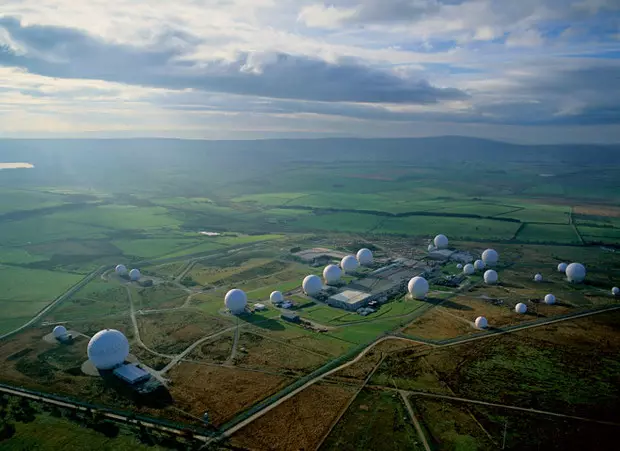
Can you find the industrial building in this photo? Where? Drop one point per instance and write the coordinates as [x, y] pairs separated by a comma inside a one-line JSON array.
[[349, 299], [131, 373]]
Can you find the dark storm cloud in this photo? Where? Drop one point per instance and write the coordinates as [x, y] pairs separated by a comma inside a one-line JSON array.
[[67, 53]]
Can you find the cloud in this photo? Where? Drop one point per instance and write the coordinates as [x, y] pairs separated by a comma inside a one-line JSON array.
[[68, 53]]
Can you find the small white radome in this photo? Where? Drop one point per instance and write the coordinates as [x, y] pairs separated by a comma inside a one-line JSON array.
[[538, 278], [575, 272], [59, 331], [479, 265], [441, 241], [521, 308], [562, 267], [236, 300], [312, 285], [481, 322], [332, 274], [134, 274], [418, 287], [121, 270], [459, 266], [364, 256], [490, 277], [550, 299], [615, 291], [349, 264], [468, 269], [276, 297]]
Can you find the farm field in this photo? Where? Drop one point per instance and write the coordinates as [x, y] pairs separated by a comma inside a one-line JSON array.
[[548, 233]]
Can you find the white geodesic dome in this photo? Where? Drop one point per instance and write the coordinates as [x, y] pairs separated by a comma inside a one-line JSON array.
[[441, 241], [576, 272], [364, 256], [468, 269], [312, 285], [490, 277], [479, 265], [108, 349], [418, 287], [349, 264], [134, 274], [332, 274], [481, 322], [276, 297], [490, 257], [236, 300], [562, 267], [521, 308], [459, 266], [550, 299], [121, 270], [615, 291], [59, 331], [538, 278]]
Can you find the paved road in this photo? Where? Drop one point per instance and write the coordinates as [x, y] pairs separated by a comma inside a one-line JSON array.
[[67, 294], [416, 423]]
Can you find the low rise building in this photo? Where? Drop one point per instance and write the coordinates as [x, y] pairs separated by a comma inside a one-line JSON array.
[[349, 299]]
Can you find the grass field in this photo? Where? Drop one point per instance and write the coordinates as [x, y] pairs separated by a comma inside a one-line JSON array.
[[48, 433], [548, 233]]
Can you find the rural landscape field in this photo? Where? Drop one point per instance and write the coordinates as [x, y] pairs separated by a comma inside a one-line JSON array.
[[199, 218]]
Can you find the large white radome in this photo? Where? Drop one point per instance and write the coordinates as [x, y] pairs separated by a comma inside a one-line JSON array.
[[236, 300], [441, 241], [575, 272], [107, 349], [481, 322], [615, 291], [349, 264], [59, 331], [134, 274], [121, 270], [276, 297], [562, 267], [479, 265], [490, 257], [521, 308], [332, 274], [418, 287], [468, 269], [550, 299], [490, 277], [312, 285], [364, 256]]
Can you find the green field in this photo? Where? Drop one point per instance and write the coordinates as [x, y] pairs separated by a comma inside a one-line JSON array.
[[548, 233]]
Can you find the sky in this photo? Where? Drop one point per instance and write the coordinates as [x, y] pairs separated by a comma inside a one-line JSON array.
[[530, 71]]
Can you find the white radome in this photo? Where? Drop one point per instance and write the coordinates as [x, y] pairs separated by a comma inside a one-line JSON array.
[[121, 270], [562, 267], [550, 299], [236, 300], [418, 287], [490, 257], [276, 297], [312, 285], [59, 331], [468, 269], [490, 277], [349, 264], [459, 266], [107, 349], [332, 274], [479, 265], [575, 272], [615, 291], [431, 247], [441, 241], [134, 274], [521, 308], [364, 256], [538, 278], [481, 322]]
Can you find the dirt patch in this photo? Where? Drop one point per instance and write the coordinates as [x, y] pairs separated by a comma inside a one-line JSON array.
[[255, 351], [172, 332], [223, 392], [597, 210], [438, 324], [297, 424]]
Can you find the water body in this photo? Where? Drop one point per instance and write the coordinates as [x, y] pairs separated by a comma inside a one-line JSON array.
[[16, 166]]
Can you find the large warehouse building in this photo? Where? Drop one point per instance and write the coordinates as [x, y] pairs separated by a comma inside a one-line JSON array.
[[349, 299]]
